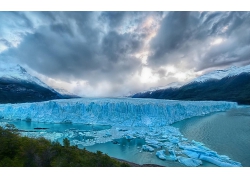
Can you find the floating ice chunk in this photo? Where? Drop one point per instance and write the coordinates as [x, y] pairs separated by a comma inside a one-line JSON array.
[[191, 154], [189, 161], [165, 136], [211, 157], [161, 155], [174, 140], [172, 152], [168, 145], [155, 145], [147, 148], [129, 137], [107, 135], [219, 161], [199, 144], [121, 129], [152, 142]]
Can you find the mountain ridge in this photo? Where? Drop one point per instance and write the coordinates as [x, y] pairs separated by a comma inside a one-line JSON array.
[[18, 86], [232, 85]]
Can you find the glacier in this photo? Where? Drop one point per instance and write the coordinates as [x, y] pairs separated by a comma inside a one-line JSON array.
[[149, 119], [112, 111]]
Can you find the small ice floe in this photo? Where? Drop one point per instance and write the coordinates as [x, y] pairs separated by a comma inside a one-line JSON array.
[[192, 162], [121, 129], [128, 136], [161, 155], [107, 135], [152, 142], [174, 140], [168, 145], [147, 148]]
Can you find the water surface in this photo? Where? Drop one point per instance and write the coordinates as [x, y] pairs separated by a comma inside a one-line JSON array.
[[226, 133]]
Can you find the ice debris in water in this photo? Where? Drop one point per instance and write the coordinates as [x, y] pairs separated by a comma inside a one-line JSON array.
[[199, 151]]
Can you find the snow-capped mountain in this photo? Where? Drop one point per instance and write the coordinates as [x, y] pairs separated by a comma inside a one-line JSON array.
[[15, 72], [220, 74], [231, 84], [17, 85]]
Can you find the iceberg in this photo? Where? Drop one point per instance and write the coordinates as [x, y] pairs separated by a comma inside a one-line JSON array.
[[147, 148], [112, 111], [199, 151], [161, 155], [192, 162]]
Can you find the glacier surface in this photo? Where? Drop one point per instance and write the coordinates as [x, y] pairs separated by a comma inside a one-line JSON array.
[[112, 111]]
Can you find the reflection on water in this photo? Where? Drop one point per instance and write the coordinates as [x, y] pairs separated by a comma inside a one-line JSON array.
[[225, 132]]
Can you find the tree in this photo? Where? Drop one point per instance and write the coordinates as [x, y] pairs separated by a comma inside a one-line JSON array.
[[66, 142]]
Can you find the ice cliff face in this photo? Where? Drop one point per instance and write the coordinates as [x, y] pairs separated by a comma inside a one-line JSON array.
[[120, 111]]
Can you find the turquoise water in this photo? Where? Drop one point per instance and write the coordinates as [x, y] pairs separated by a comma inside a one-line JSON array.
[[50, 127], [226, 133], [130, 150]]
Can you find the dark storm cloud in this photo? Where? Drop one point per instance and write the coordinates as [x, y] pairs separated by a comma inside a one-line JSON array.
[[74, 46], [116, 46], [190, 34]]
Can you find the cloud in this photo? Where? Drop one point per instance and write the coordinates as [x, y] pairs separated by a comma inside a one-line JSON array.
[[112, 53], [185, 37], [73, 46]]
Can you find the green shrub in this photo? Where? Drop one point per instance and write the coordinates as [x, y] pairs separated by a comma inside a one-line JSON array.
[[17, 151]]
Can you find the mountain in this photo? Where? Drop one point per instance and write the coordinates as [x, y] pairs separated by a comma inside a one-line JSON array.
[[18, 86], [232, 84], [66, 94]]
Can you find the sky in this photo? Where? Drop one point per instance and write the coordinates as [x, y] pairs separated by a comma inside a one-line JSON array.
[[108, 53]]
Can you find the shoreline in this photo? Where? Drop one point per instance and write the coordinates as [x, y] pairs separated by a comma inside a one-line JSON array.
[[137, 165]]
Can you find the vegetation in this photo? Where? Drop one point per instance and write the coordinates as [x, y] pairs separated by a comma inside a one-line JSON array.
[[17, 151]]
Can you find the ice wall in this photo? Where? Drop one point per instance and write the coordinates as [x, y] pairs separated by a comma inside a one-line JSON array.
[[112, 111]]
